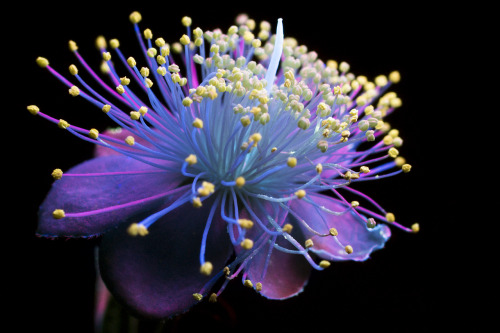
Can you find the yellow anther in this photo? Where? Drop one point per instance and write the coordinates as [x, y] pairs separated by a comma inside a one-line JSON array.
[[226, 271], [160, 42], [240, 181], [131, 62], [206, 268], [197, 202], [186, 21], [213, 298], [388, 140], [333, 232], [33, 109], [149, 83], [415, 227], [364, 169], [135, 115], [348, 249], [106, 56], [245, 224], [72, 46], [58, 214], [106, 108], [258, 286], [309, 243], [256, 43], [191, 159], [390, 217], [300, 194], [104, 67], [287, 228], [135, 17], [247, 244], [63, 124], [148, 34], [291, 162], [204, 192], [393, 152], [73, 70], [209, 186], [394, 133], [406, 168], [145, 71], [185, 40], [248, 283], [332, 64], [136, 229], [114, 43], [120, 89], [143, 110], [42, 62], [57, 174], [369, 109], [400, 161], [255, 138], [354, 204], [396, 102], [74, 91], [100, 42], [397, 142], [94, 134], [273, 149], [198, 123], [152, 52], [130, 140], [324, 264], [322, 145], [319, 168], [395, 77], [381, 80], [197, 297], [162, 71], [125, 81], [345, 134]]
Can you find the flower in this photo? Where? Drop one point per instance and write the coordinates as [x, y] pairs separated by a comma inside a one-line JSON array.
[[221, 171]]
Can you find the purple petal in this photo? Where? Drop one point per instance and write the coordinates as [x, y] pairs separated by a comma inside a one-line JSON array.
[[118, 134], [81, 194], [156, 275], [286, 274], [351, 230]]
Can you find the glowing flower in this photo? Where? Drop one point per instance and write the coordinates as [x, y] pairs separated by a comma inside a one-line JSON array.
[[219, 173]]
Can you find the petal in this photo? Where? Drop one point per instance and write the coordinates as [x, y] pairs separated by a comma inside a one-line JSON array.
[[81, 194], [351, 230], [156, 275], [286, 274]]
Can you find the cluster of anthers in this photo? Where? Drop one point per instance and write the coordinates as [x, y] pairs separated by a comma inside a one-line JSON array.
[[259, 138]]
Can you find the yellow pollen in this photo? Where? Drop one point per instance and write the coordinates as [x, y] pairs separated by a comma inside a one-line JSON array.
[[206, 268], [94, 134], [354, 203], [273, 149], [100, 42], [186, 21], [57, 174], [72, 46], [106, 56], [125, 81], [415, 227], [63, 124], [187, 102], [287, 228], [184, 40], [74, 91], [135, 115], [300, 194], [198, 123], [213, 298], [145, 72], [106, 108], [135, 17], [393, 152], [390, 217], [319, 168], [136, 229], [247, 244], [197, 202], [198, 297], [191, 159], [406, 168], [120, 89], [58, 214], [388, 140], [394, 77], [364, 169], [131, 62], [148, 34], [42, 62], [400, 161], [246, 224], [333, 232], [73, 70], [143, 110], [149, 83], [240, 181], [114, 43], [130, 140], [33, 109], [291, 162], [324, 264], [248, 283], [309, 243], [258, 286], [394, 133], [348, 249], [245, 121], [226, 271]]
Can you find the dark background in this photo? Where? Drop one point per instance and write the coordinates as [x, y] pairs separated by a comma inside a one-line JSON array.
[[411, 285]]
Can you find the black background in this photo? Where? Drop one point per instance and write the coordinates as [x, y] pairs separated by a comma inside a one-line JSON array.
[[411, 285]]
